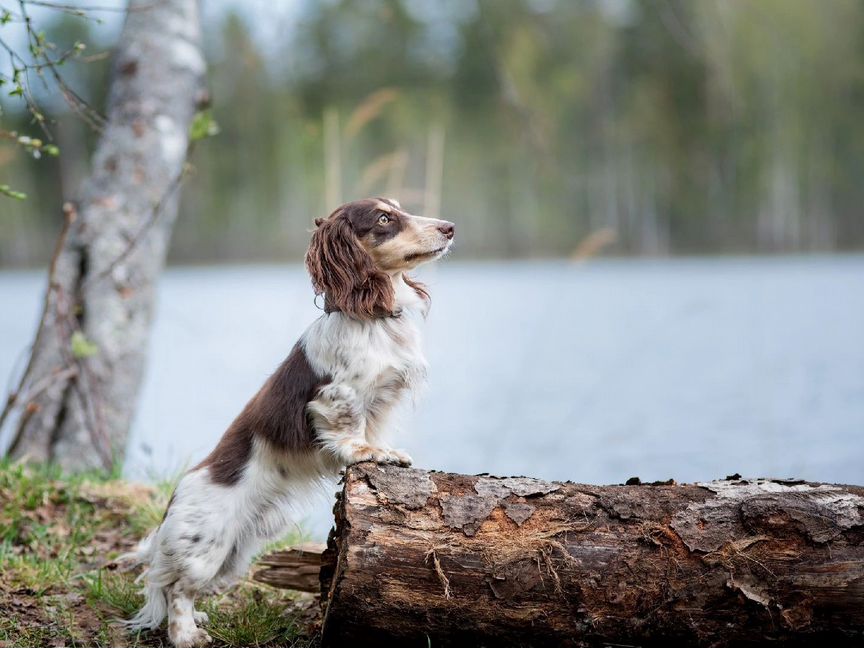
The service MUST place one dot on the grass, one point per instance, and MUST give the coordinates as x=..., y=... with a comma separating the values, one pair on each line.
x=58, y=535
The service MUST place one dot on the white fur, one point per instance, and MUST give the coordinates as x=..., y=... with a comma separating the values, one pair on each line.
x=372, y=363
x=211, y=532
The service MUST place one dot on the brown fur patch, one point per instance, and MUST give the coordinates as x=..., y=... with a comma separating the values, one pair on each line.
x=418, y=288
x=342, y=270
x=276, y=414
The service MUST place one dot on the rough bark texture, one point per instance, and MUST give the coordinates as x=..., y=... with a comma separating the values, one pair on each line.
x=297, y=568
x=77, y=410
x=504, y=562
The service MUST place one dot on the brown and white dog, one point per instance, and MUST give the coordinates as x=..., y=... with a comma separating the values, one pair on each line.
x=326, y=406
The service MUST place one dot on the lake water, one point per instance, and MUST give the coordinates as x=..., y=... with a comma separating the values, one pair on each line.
x=684, y=369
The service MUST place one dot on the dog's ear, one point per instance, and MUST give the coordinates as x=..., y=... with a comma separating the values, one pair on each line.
x=420, y=290
x=344, y=272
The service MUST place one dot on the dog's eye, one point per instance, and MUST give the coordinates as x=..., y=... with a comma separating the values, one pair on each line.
x=383, y=219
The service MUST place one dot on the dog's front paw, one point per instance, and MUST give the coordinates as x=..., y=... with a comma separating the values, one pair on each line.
x=402, y=457
x=361, y=452
x=201, y=618
x=384, y=456
x=391, y=456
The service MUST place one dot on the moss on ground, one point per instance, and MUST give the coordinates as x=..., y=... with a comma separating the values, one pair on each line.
x=58, y=536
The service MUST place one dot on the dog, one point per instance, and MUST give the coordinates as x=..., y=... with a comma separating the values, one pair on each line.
x=324, y=408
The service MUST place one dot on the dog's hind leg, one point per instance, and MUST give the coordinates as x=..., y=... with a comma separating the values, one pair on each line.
x=236, y=563
x=193, y=541
x=182, y=630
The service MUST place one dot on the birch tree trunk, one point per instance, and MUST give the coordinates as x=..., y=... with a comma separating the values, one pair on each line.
x=77, y=396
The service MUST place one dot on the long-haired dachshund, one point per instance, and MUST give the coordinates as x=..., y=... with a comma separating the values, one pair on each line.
x=324, y=408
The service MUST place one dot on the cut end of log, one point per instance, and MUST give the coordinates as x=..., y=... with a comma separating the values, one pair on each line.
x=296, y=568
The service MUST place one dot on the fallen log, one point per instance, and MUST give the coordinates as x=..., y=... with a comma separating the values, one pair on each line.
x=296, y=568
x=420, y=558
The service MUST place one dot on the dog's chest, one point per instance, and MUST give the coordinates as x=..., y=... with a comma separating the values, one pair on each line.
x=390, y=358
x=369, y=356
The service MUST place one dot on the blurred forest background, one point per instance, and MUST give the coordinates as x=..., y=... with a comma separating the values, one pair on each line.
x=662, y=126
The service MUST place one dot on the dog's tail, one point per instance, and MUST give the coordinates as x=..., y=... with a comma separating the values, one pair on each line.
x=141, y=555
x=155, y=609
x=155, y=606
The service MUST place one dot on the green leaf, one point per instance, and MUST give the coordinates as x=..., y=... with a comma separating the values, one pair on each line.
x=6, y=190
x=203, y=125
x=82, y=347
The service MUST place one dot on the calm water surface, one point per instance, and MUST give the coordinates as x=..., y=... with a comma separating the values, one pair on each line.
x=690, y=369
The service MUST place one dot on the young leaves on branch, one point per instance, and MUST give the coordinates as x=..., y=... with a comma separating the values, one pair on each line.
x=82, y=347
x=6, y=190
x=40, y=57
x=203, y=126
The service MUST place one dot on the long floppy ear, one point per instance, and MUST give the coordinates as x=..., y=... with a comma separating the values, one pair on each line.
x=345, y=273
x=421, y=291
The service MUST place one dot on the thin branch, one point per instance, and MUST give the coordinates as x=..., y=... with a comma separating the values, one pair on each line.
x=67, y=323
x=151, y=220
x=59, y=374
x=20, y=66
x=79, y=105
x=85, y=8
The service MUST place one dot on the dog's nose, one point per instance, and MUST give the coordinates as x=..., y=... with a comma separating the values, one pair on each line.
x=447, y=228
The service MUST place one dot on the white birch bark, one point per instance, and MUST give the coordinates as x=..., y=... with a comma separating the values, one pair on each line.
x=76, y=411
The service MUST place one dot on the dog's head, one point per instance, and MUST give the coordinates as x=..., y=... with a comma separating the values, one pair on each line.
x=358, y=248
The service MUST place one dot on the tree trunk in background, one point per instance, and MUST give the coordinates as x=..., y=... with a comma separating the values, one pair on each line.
x=80, y=388
x=421, y=558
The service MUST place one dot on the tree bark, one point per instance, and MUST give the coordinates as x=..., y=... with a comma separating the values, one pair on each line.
x=77, y=396
x=297, y=568
x=419, y=557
